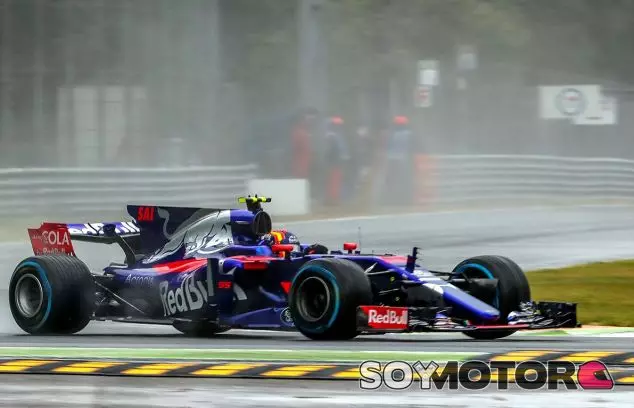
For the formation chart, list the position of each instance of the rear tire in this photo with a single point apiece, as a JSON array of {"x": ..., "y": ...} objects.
[
  {"x": 324, "y": 297},
  {"x": 513, "y": 288},
  {"x": 52, "y": 294}
]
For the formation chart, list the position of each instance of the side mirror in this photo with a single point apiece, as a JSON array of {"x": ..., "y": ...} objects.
[
  {"x": 283, "y": 248},
  {"x": 349, "y": 246}
]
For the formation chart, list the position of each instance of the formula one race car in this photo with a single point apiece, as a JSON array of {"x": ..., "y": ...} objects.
[{"x": 206, "y": 271}]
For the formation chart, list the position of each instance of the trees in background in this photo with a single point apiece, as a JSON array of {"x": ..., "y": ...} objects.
[{"x": 370, "y": 41}]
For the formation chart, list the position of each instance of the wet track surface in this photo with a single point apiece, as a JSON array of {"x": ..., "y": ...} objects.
[
  {"x": 534, "y": 238},
  {"x": 47, "y": 391},
  {"x": 107, "y": 334},
  {"x": 538, "y": 237}
]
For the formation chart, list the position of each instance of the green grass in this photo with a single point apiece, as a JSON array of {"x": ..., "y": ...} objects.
[{"x": 604, "y": 291}]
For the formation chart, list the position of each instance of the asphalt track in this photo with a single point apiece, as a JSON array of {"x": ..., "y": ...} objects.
[
  {"x": 534, "y": 238},
  {"x": 36, "y": 391},
  {"x": 99, "y": 334}
]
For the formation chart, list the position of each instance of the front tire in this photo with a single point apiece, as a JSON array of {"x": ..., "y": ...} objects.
[
  {"x": 324, "y": 297},
  {"x": 52, "y": 294},
  {"x": 513, "y": 288}
]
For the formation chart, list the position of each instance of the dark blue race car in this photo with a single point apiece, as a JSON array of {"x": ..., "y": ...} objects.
[{"x": 206, "y": 271}]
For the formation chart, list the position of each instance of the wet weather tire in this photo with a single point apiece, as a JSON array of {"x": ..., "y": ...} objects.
[
  {"x": 324, "y": 297},
  {"x": 513, "y": 288},
  {"x": 52, "y": 294}
]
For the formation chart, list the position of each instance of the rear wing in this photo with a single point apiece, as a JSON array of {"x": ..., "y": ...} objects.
[
  {"x": 50, "y": 239},
  {"x": 57, "y": 238},
  {"x": 94, "y": 232}
]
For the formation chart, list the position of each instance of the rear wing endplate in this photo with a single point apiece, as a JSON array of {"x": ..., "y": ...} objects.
[{"x": 51, "y": 239}]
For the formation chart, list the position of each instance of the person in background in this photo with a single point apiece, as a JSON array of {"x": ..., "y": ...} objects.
[
  {"x": 302, "y": 149},
  {"x": 398, "y": 165},
  {"x": 336, "y": 159},
  {"x": 364, "y": 158}
]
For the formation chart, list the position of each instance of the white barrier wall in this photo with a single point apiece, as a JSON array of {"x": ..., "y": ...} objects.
[{"x": 289, "y": 196}]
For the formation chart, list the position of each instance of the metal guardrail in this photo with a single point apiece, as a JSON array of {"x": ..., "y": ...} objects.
[
  {"x": 446, "y": 180},
  {"x": 91, "y": 191},
  {"x": 492, "y": 178}
]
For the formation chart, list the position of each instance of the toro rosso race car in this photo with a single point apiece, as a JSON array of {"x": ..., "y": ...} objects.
[{"x": 205, "y": 271}]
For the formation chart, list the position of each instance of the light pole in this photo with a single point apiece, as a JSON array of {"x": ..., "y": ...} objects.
[{"x": 312, "y": 55}]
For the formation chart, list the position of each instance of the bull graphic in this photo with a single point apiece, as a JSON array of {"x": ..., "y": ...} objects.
[{"x": 206, "y": 235}]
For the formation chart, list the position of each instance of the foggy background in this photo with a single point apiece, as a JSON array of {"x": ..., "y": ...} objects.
[{"x": 166, "y": 83}]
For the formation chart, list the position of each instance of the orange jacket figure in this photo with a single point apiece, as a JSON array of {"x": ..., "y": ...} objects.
[{"x": 301, "y": 150}]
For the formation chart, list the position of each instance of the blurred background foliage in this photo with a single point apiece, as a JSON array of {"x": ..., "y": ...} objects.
[
  {"x": 371, "y": 40},
  {"x": 224, "y": 80}
]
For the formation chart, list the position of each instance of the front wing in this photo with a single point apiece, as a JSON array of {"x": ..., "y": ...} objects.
[{"x": 531, "y": 316}]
